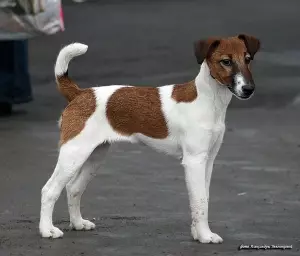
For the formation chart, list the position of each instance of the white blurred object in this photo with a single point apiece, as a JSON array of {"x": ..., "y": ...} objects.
[
  {"x": 22, "y": 19},
  {"x": 7, "y": 3}
]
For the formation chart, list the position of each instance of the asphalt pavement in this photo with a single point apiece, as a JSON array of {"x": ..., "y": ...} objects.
[{"x": 139, "y": 202}]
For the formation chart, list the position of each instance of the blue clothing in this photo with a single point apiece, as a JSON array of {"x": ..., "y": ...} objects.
[{"x": 15, "y": 84}]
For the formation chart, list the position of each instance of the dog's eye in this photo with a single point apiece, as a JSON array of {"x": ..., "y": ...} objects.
[
  {"x": 247, "y": 59},
  {"x": 226, "y": 62}
]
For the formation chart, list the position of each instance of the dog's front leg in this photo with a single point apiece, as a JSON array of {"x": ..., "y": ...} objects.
[
  {"x": 215, "y": 147},
  {"x": 194, "y": 162}
]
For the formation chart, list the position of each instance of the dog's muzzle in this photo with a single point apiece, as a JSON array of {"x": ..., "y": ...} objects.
[{"x": 242, "y": 88}]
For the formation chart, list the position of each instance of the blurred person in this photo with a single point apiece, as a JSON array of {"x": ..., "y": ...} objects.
[{"x": 15, "y": 86}]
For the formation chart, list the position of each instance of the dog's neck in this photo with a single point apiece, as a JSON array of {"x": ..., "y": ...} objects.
[{"x": 210, "y": 88}]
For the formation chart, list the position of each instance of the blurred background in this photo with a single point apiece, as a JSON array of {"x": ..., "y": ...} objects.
[{"x": 139, "y": 202}]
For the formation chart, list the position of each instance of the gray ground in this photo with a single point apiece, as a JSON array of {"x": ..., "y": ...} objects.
[{"x": 139, "y": 202}]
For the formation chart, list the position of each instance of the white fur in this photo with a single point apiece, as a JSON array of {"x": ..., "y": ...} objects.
[
  {"x": 240, "y": 82},
  {"x": 66, "y": 55},
  {"x": 196, "y": 131}
]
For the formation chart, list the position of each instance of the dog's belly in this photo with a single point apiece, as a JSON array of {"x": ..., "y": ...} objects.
[{"x": 169, "y": 146}]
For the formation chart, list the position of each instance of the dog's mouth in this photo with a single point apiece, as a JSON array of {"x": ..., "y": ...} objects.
[{"x": 240, "y": 94}]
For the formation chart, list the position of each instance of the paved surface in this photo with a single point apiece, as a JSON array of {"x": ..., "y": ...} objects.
[{"x": 139, "y": 201}]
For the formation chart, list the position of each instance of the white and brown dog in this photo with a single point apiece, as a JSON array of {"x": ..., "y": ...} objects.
[{"x": 184, "y": 120}]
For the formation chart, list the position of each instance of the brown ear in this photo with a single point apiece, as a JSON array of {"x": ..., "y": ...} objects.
[
  {"x": 204, "y": 48},
  {"x": 252, "y": 44}
]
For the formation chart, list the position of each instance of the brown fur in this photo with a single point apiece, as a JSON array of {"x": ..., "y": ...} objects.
[
  {"x": 252, "y": 43},
  {"x": 137, "y": 110},
  {"x": 76, "y": 114},
  {"x": 186, "y": 92},
  {"x": 68, "y": 88},
  {"x": 233, "y": 48}
]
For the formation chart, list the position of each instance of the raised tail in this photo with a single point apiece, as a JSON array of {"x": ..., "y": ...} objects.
[{"x": 66, "y": 86}]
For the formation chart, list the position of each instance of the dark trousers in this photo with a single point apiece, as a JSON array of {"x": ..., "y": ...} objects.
[{"x": 15, "y": 84}]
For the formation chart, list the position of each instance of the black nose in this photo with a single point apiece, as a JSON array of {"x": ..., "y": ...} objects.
[{"x": 248, "y": 88}]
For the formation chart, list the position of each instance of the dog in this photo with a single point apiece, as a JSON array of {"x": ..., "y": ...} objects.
[{"x": 184, "y": 120}]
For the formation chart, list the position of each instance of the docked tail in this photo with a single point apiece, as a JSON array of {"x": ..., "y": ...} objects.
[{"x": 65, "y": 85}]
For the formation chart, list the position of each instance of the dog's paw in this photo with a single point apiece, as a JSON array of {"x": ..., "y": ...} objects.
[
  {"x": 211, "y": 238},
  {"x": 205, "y": 237},
  {"x": 83, "y": 225},
  {"x": 52, "y": 232}
]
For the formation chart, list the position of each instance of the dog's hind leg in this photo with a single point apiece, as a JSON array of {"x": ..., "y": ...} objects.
[
  {"x": 72, "y": 156},
  {"x": 77, "y": 185}
]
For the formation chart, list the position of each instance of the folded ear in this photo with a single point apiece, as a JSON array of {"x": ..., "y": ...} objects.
[
  {"x": 252, "y": 44},
  {"x": 204, "y": 48}
]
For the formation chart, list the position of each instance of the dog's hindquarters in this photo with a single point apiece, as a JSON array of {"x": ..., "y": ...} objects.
[
  {"x": 75, "y": 165},
  {"x": 72, "y": 156}
]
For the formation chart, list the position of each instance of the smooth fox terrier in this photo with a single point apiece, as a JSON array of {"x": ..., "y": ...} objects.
[{"x": 184, "y": 120}]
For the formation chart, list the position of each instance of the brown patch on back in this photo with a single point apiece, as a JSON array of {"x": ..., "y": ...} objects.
[
  {"x": 76, "y": 114},
  {"x": 137, "y": 110},
  {"x": 186, "y": 92},
  {"x": 67, "y": 87}
]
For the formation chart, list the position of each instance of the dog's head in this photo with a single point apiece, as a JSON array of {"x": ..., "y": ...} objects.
[{"x": 229, "y": 61}]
